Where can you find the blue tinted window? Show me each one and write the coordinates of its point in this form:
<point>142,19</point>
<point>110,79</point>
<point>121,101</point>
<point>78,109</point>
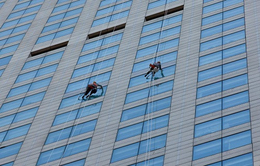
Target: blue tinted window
<point>229,3</point>
<point>129,131</point>
<point>152,144</point>
<point>210,44</point>
<point>235,82</point>
<point>58,135</point>
<point>104,64</point>
<point>83,128</point>
<point>133,112</point>
<point>47,70</point>
<point>32,9</point>
<point>10,150</point>
<point>101,21</point>
<point>17,132</point>
<point>236,140</point>
<point>6,32</point>
<point>14,38</point>
<point>233,12</point>
<point>152,26</point>
<point>33,98</point>
<point>155,123</point>
<point>172,20</point>
<point>234,51</point>
<point>158,161</point>
<point>146,51</point>
<point>76,163</point>
<point>208,108</point>
<point>59,8</point>
<point>246,159</point>
<point>6,120</point>
<point>10,23</point>
<point>11,105</point>
<point>27,18</point>
<point>119,15</point>
<point>21,5</point>
<point>26,76</point>
<point>51,27</point>
<point>213,7</point>
<point>53,57</point>
<point>207,127</point>
<point>19,90</point>
<point>233,24</point>
<point>211,31</point>
<point>12,15</point>
<point>5,61</point>
<point>51,155</point>
<point>21,28</point>
<point>25,114</point>
<point>77,147</point>
<point>65,117</point>
<point>170,32</point>
<point>64,32</point>
<point>69,22</point>
<point>149,38</point>
<point>32,63</point>
<point>56,17</point>
<point>156,4</point>
<point>45,38</point>
<point>82,71</point>
<point>236,99</point>
<point>209,89</point>
<point>206,149</point>
<point>236,119</point>
<point>125,152</point>
<point>210,73</point>
<point>233,66</point>
<point>234,37</point>
<point>9,49</point>
<point>168,44</point>
<point>210,58</point>
<point>89,110</point>
<point>105,11</point>
<point>211,19</point>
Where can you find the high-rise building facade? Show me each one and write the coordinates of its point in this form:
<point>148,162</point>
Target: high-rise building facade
<point>202,108</point>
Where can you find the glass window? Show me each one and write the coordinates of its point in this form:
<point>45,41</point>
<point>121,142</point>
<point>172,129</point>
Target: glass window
<point>27,18</point>
<point>51,27</point>
<point>69,22</point>
<point>25,114</point>
<point>210,44</point>
<point>104,64</point>
<point>65,117</point>
<point>6,32</point>
<point>82,71</point>
<point>152,144</point>
<point>13,15</point>
<point>229,3</point>
<point>77,3</point>
<point>233,24</point>
<point>64,32</point>
<point>234,51</point>
<point>235,82</point>
<point>233,12</point>
<point>32,9</point>
<point>19,90</point>
<point>5,60</point>
<point>33,98</point>
<point>100,77</point>
<point>211,19</point>
<point>119,15</point>
<point>233,66</point>
<point>211,31</point>
<point>246,159</point>
<point>66,102</point>
<point>208,108</point>
<point>236,140</point>
<point>58,135</point>
<point>129,131</point>
<point>77,147</point>
<point>233,37</point>
<point>207,127</point>
<point>146,51</point>
<point>158,161</point>
<point>11,105</point>
<point>216,56</point>
<point>45,38</point>
<point>209,89</point>
<point>89,110</point>
<point>89,46</point>
<point>155,123</point>
<point>210,73</point>
<point>56,17</point>
<point>101,21</point>
<point>10,150</point>
<point>21,28</point>
<point>168,44</point>
<point>47,70</point>
<point>149,38</point>
<point>83,128</point>
<point>236,119</point>
<point>53,57</point>
<point>32,63</point>
<point>76,163</point>
<point>59,8</point>
<point>211,8</point>
<point>152,26</point>
<point>10,23</point>
<point>9,49</point>
<point>104,11</point>
<point>133,112</point>
<point>26,76</point>
<point>6,120</point>
<point>206,149</point>
<point>17,132</point>
<point>51,155</point>
<point>235,99</point>
<point>73,12</point>
<point>21,5</point>
<point>156,4</point>
<point>125,152</point>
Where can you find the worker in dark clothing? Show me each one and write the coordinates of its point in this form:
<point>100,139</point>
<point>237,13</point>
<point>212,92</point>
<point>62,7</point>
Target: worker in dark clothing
<point>154,68</point>
<point>92,88</point>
